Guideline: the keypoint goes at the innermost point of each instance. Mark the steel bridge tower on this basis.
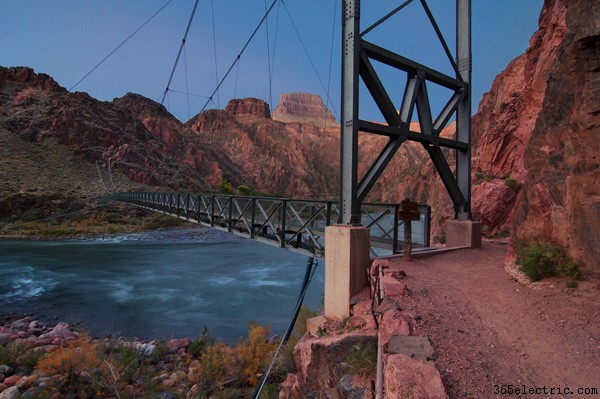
(345, 264)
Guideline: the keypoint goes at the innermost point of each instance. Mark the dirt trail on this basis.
(490, 330)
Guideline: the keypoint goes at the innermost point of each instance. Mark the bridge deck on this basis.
(293, 224)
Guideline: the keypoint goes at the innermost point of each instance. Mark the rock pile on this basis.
(28, 336)
(336, 359)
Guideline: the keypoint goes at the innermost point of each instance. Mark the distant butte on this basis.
(303, 108)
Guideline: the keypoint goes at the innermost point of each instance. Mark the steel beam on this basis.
(463, 112)
(397, 61)
(407, 135)
(350, 206)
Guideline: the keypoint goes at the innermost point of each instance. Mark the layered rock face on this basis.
(293, 160)
(506, 117)
(120, 134)
(248, 106)
(303, 108)
(560, 198)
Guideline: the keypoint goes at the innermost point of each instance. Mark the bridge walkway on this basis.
(294, 224)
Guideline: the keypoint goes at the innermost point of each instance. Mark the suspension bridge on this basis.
(352, 230)
(294, 224)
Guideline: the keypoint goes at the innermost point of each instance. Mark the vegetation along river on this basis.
(155, 285)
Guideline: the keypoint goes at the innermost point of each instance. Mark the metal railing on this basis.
(288, 223)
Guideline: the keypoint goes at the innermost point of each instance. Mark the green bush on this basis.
(161, 221)
(17, 355)
(362, 358)
(198, 346)
(245, 190)
(540, 259)
(512, 184)
(114, 218)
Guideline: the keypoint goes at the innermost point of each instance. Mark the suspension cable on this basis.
(440, 36)
(237, 58)
(311, 267)
(187, 29)
(275, 45)
(269, 61)
(309, 58)
(120, 45)
(212, 11)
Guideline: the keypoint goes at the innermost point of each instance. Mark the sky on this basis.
(67, 38)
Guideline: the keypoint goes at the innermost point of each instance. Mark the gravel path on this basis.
(490, 330)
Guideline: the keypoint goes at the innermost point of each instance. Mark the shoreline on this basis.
(58, 360)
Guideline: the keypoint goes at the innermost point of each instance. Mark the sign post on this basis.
(408, 213)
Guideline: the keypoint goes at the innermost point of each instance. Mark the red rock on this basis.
(560, 197)
(248, 106)
(168, 383)
(60, 327)
(179, 343)
(194, 391)
(26, 382)
(49, 348)
(394, 322)
(3, 387)
(291, 388)
(409, 378)
(319, 360)
(394, 288)
(12, 380)
(493, 204)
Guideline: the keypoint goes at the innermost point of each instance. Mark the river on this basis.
(156, 285)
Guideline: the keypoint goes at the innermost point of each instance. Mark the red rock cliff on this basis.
(248, 106)
(505, 120)
(560, 198)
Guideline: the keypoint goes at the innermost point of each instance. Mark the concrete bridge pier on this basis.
(346, 262)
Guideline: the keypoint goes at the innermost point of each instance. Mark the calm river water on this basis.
(156, 285)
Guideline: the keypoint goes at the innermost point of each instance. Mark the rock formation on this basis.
(532, 140)
(506, 117)
(303, 108)
(248, 106)
(560, 198)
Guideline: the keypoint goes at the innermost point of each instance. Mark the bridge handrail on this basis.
(292, 223)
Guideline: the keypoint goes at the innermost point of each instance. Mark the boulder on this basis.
(175, 344)
(409, 378)
(11, 393)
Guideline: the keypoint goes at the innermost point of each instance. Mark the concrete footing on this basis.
(463, 233)
(346, 262)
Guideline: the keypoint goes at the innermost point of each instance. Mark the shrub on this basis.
(362, 358)
(226, 187)
(540, 259)
(77, 358)
(245, 190)
(18, 355)
(114, 218)
(252, 356)
(162, 221)
(29, 360)
(512, 184)
(198, 346)
(211, 372)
